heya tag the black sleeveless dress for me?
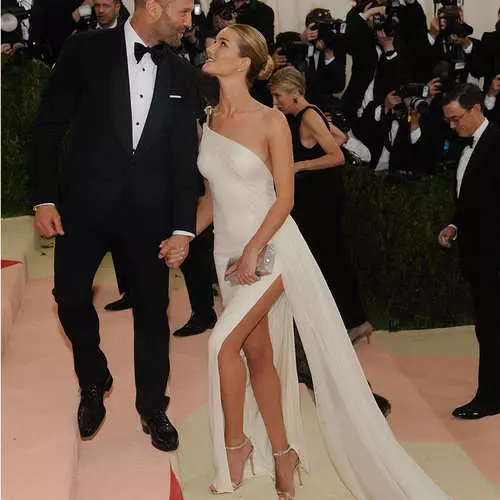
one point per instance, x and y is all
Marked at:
(318, 211)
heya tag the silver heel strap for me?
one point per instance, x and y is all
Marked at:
(281, 453)
(239, 447)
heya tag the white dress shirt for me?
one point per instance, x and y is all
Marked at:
(467, 153)
(114, 25)
(142, 78)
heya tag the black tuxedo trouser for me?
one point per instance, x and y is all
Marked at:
(486, 296)
(77, 257)
(120, 270)
(199, 273)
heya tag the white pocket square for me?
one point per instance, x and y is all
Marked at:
(175, 96)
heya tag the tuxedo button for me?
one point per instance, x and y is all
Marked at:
(137, 123)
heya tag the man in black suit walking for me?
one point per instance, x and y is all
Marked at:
(128, 180)
(477, 226)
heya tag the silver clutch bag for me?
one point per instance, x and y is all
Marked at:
(264, 267)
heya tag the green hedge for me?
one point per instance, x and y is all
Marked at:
(406, 280)
(22, 81)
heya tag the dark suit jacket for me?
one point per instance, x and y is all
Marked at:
(478, 209)
(89, 92)
(325, 80)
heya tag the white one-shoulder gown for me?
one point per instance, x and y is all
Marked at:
(360, 444)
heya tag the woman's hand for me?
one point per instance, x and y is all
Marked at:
(244, 267)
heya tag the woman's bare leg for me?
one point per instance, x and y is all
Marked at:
(252, 334)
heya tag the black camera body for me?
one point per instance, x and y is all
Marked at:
(331, 32)
(409, 90)
(296, 53)
(390, 22)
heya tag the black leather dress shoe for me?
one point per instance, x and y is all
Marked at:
(197, 324)
(163, 434)
(121, 304)
(473, 411)
(383, 403)
(91, 411)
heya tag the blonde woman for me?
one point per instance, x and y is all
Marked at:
(246, 158)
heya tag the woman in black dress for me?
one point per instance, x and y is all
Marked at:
(319, 195)
(319, 206)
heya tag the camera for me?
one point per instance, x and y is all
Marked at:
(450, 23)
(330, 31)
(225, 9)
(415, 97)
(390, 22)
(88, 20)
(11, 19)
(296, 54)
(418, 90)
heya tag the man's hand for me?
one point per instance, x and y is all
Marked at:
(464, 42)
(174, 250)
(387, 42)
(309, 35)
(446, 236)
(494, 89)
(280, 61)
(435, 27)
(434, 87)
(48, 221)
(370, 11)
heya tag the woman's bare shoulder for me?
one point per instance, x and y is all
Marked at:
(273, 120)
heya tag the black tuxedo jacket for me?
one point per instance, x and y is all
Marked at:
(89, 93)
(325, 80)
(478, 209)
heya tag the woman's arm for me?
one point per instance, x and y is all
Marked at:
(281, 159)
(317, 130)
(205, 212)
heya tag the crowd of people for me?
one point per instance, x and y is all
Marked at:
(137, 92)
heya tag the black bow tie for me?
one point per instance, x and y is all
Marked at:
(157, 52)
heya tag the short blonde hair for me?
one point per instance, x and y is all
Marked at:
(289, 79)
(253, 45)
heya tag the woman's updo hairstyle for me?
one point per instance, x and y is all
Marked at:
(289, 79)
(252, 44)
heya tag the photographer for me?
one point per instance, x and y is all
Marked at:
(379, 64)
(255, 13)
(326, 68)
(488, 60)
(403, 146)
(451, 50)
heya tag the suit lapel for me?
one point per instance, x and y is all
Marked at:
(158, 108)
(120, 93)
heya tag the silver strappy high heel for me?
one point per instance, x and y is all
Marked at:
(249, 458)
(286, 494)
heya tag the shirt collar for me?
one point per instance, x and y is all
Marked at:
(479, 132)
(131, 37)
(114, 25)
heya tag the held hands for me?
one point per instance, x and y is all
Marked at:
(174, 250)
(243, 269)
(48, 221)
(446, 236)
(434, 87)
